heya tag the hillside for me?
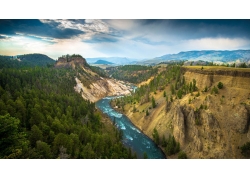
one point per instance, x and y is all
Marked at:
(208, 123)
(36, 59)
(27, 60)
(212, 55)
(89, 82)
(132, 73)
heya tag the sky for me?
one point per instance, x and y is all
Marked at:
(131, 38)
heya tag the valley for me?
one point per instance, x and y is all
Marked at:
(188, 111)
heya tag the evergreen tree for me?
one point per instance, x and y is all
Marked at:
(153, 102)
(156, 136)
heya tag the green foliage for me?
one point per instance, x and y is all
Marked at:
(12, 141)
(197, 121)
(214, 90)
(172, 146)
(134, 109)
(243, 65)
(41, 116)
(164, 94)
(99, 71)
(206, 89)
(182, 155)
(220, 85)
(156, 137)
(164, 141)
(194, 88)
(172, 89)
(35, 135)
(167, 98)
(28, 60)
(179, 94)
(245, 150)
(170, 75)
(43, 150)
(132, 73)
(153, 102)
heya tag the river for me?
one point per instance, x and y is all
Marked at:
(132, 136)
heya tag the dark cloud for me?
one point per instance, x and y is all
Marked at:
(200, 28)
(36, 27)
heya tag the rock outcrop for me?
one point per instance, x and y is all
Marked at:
(89, 84)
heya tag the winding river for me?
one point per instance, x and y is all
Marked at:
(132, 137)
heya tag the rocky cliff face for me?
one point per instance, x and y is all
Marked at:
(73, 62)
(101, 88)
(209, 125)
(219, 129)
(89, 84)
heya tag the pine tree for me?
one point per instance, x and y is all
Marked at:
(153, 102)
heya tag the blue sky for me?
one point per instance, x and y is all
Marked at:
(132, 38)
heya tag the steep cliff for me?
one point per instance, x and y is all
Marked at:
(90, 84)
(206, 125)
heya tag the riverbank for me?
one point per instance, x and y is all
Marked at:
(139, 128)
(132, 136)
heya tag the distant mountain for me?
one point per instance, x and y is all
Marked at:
(211, 55)
(102, 62)
(115, 60)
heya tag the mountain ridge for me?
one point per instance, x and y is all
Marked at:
(204, 55)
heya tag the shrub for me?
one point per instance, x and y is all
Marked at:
(182, 155)
(220, 85)
(214, 90)
(245, 149)
(205, 90)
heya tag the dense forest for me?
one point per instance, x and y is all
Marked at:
(41, 116)
(132, 73)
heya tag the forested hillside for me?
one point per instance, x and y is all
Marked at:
(30, 60)
(132, 73)
(41, 116)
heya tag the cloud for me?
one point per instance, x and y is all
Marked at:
(38, 28)
(120, 37)
(4, 37)
(216, 43)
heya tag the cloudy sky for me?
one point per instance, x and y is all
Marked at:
(132, 38)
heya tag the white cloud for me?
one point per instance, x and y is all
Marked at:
(215, 43)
